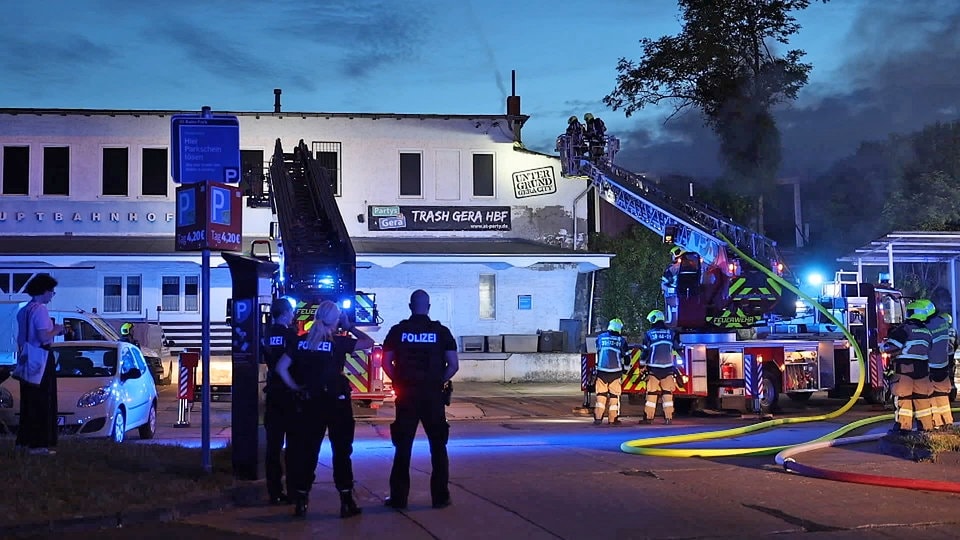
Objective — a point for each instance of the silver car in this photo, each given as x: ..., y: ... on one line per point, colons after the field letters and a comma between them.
x: 104, y: 389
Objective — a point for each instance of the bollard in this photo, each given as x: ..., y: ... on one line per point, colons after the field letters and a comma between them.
x: 185, y: 387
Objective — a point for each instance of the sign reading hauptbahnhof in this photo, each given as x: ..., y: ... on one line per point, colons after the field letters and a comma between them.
x: 438, y: 218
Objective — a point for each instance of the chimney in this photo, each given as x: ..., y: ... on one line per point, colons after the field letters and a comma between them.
x: 276, y: 100
x: 513, y: 107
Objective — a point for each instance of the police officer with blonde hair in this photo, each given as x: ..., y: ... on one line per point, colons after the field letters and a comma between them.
x: 313, y: 369
x: 611, y: 364
x: 420, y: 357
x: 660, y: 346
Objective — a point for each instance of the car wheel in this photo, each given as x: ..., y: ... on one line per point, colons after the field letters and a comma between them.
x: 148, y: 430
x: 119, y: 427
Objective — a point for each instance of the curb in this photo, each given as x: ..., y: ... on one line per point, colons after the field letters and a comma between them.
x: 246, y: 494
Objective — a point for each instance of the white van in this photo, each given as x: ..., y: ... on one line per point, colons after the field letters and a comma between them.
x: 78, y: 326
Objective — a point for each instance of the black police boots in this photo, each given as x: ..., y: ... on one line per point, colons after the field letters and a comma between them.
x: 348, y: 507
x: 300, y: 504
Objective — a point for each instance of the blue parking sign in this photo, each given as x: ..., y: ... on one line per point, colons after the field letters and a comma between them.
x: 205, y: 148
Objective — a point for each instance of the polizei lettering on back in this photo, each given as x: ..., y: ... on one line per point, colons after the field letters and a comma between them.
x: 425, y: 337
x: 324, y: 346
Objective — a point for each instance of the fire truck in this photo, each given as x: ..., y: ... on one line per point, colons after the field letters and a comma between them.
x: 317, y: 261
x: 744, y: 343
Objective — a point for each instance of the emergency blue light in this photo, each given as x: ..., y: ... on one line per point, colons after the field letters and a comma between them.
x: 346, y: 304
x: 815, y: 279
x: 326, y: 282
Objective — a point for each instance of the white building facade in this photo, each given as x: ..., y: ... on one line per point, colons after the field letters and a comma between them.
x: 448, y: 203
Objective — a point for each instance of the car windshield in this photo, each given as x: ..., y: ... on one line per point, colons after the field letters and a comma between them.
x: 104, y: 327
x: 85, y: 361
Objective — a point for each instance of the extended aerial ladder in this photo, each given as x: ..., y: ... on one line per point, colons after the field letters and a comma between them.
x: 317, y: 259
x: 738, y: 296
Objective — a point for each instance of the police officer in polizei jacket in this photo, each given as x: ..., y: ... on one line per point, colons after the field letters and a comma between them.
x: 313, y: 369
x: 420, y: 357
x: 278, y: 407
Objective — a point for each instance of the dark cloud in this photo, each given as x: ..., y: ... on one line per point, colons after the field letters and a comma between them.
x: 898, y: 74
x: 365, y: 36
x: 40, y: 61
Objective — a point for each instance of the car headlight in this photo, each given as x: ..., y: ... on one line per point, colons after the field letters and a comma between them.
x: 94, y: 397
x: 6, y: 399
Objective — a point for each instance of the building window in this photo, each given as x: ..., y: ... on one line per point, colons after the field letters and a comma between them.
x: 16, y: 170
x: 116, y: 171
x: 180, y: 290
x: 153, y: 171
x: 327, y: 155
x: 411, y: 174
x: 56, y: 170
x: 483, y: 175
x: 488, y: 296
x: 116, y: 289
x: 170, y: 293
x: 252, y: 173
x: 13, y: 282
x: 112, y: 294
x: 191, y: 293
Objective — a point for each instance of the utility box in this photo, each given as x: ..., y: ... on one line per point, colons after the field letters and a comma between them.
x: 551, y: 341
x: 472, y: 343
x: 495, y: 343
x: 520, y: 343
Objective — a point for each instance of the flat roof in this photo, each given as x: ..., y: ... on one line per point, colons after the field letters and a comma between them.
x: 907, y: 247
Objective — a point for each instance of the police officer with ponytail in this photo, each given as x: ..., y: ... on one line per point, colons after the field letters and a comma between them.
x: 313, y: 370
x: 420, y: 357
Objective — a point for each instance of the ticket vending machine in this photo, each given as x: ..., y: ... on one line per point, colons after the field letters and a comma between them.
x: 252, y: 278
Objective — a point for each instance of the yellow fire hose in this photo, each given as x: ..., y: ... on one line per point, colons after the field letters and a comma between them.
x: 646, y: 446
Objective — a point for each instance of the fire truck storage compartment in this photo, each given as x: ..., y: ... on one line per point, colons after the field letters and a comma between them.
x: 731, y: 372
x: 801, y: 372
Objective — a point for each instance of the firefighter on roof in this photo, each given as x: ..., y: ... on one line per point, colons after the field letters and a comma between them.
x: 940, y: 325
x: 660, y: 346
x: 611, y: 365
x: 668, y: 284
x: 910, y: 344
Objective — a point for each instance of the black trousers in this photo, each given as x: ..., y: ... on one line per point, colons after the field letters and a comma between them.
x: 276, y: 420
x: 416, y: 406
x: 314, y: 418
x: 38, y: 410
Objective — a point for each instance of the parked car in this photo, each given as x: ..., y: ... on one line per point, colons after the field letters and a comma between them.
x: 104, y: 389
x: 79, y: 325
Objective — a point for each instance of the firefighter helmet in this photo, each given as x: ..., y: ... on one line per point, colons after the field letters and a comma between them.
x: 587, y: 117
x: 572, y: 119
x: 676, y: 251
x: 126, y: 328
x: 920, y: 310
x: 949, y: 318
x: 656, y: 316
x: 615, y: 325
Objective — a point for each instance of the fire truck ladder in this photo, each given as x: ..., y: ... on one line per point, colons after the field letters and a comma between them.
x: 693, y: 224
x: 318, y: 258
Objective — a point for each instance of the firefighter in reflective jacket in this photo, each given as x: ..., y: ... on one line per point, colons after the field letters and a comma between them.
x: 910, y: 344
x: 660, y: 346
x: 940, y: 353
x: 611, y: 357
x: 420, y: 357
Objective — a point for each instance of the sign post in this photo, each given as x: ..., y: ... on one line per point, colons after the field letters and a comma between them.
x: 205, y: 157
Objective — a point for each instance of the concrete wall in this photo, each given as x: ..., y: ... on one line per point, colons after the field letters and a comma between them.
x: 519, y: 367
